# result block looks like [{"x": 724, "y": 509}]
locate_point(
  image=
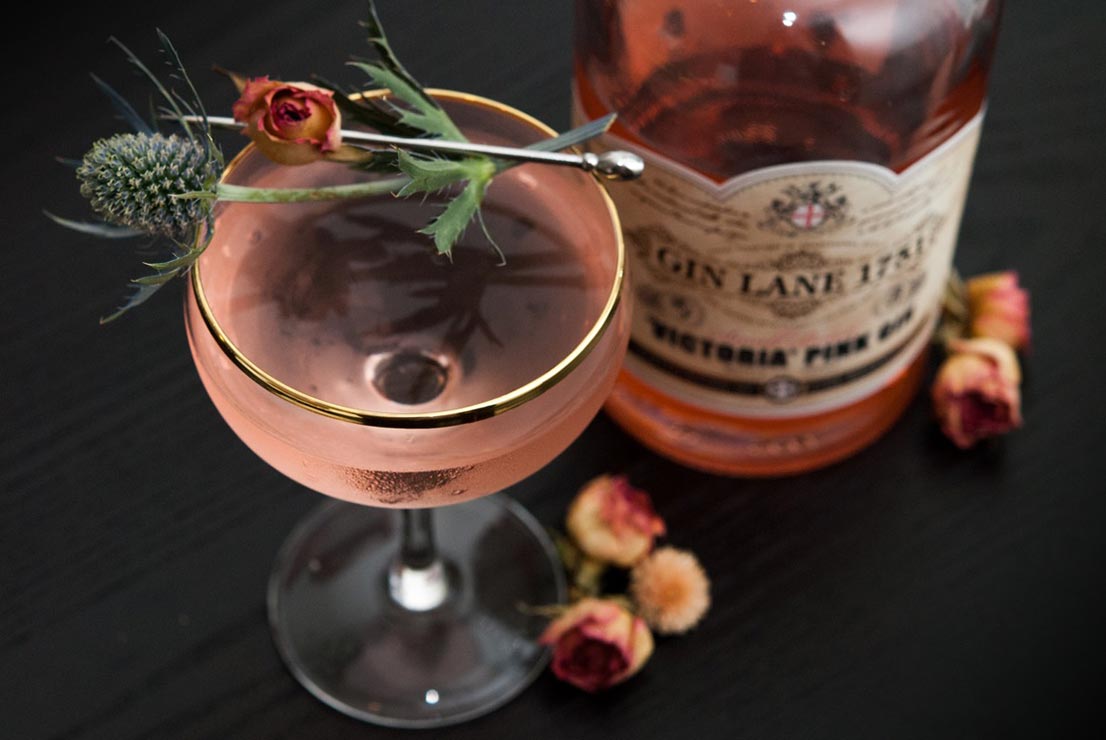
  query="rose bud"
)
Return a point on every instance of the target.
[
  {"x": 999, "y": 308},
  {"x": 976, "y": 391},
  {"x": 613, "y": 522},
  {"x": 597, "y": 643},
  {"x": 671, "y": 590},
  {"x": 290, "y": 122}
]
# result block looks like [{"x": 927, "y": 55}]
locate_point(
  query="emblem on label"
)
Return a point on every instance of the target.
[{"x": 804, "y": 209}]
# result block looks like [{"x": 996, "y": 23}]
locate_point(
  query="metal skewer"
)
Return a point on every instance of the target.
[{"x": 616, "y": 165}]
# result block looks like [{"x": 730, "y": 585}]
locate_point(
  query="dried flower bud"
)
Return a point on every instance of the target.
[
  {"x": 613, "y": 522},
  {"x": 999, "y": 309},
  {"x": 976, "y": 392},
  {"x": 597, "y": 643},
  {"x": 671, "y": 590},
  {"x": 290, "y": 122}
]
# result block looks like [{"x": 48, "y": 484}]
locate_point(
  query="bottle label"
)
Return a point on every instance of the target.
[{"x": 793, "y": 289}]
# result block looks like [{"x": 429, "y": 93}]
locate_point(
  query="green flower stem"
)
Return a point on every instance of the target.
[
  {"x": 242, "y": 194},
  {"x": 588, "y": 577}
]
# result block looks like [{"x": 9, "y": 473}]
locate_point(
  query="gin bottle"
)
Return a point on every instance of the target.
[{"x": 808, "y": 163}]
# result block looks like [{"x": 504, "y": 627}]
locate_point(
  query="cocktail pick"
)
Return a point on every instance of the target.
[{"x": 614, "y": 165}]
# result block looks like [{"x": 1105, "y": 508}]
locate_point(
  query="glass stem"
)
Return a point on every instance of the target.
[{"x": 417, "y": 577}]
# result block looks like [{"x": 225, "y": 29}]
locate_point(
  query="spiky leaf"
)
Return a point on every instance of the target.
[
  {"x": 145, "y": 286},
  {"x": 425, "y": 116},
  {"x": 451, "y": 223},
  {"x": 125, "y": 109},
  {"x": 139, "y": 295},
  {"x": 431, "y": 174},
  {"x": 367, "y": 111},
  {"x": 104, "y": 231},
  {"x": 578, "y": 135},
  {"x": 379, "y": 41}
]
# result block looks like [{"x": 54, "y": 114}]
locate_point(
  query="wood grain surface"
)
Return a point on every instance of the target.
[{"x": 913, "y": 591}]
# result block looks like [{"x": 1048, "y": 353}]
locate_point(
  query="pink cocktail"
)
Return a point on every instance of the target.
[{"x": 350, "y": 357}]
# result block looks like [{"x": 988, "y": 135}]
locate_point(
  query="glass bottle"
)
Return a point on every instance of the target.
[{"x": 807, "y": 167}]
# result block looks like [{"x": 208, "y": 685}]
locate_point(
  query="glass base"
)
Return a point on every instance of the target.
[{"x": 350, "y": 644}]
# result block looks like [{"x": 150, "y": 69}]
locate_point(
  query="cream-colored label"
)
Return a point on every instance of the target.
[{"x": 792, "y": 289}]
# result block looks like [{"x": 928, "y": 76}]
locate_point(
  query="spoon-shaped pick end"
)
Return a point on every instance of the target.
[{"x": 617, "y": 165}]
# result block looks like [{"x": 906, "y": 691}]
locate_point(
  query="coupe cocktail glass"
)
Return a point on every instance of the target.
[{"x": 352, "y": 359}]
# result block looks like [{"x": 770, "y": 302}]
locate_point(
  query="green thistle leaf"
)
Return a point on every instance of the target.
[
  {"x": 157, "y": 279},
  {"x": 388, "y": 58},
  {"x": 125, "y": 109},
  {"x": 578, "y": 135},
  {"x": 451, "y": 223},
  {"x": 139, "y": 295},
  {"x": 182, "y": 262},
  {"x": 431, "y": 174},
  {"x": 424, "y": 116},
  {"x": 169, "y": 98},
  {"x": 104, "y": 231},
  {"x": 368, "y": 112},
  {"x": 145, "y": 286}
]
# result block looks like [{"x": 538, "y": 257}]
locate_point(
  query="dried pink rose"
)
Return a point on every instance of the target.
[
  {"x": 976, "y": 393},
  {"x": 290, "y": 122},
  {"x": 597, "y": 643},
  {"x": 613, "y": 522},
  {"x": 999, "y": 308}
]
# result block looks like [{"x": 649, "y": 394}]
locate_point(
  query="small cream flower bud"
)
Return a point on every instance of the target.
[{"x": 671, "y": 590}]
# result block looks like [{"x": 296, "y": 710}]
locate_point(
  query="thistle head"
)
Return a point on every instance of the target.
[{"x": 130, "y": 180}]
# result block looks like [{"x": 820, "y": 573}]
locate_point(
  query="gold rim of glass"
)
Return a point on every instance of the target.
[{"x": 428, "y": 419}]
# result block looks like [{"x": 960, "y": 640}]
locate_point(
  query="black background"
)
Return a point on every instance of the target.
[{"x": 912, "y": 591}]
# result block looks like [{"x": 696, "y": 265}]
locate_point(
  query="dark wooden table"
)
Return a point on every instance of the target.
[{"x": 913, "y": 591}]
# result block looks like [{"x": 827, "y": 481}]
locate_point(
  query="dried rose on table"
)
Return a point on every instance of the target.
[
  {"x": 976, "y": 393},
  {"x": 999, "y": 309},
  {"x": 600, "y": 640},
  {"x": 613, "y": 522},
  {"x": 597, "y": 643}
]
